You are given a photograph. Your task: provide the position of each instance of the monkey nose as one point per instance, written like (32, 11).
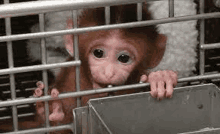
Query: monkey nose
(109, 71)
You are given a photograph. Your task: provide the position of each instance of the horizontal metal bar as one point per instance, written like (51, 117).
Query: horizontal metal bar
(38, 67)
(210, 46)
(102, 90)
(19, 116)
(49, 129)
(200, 77)
(106, 27)
(203, 131)
(37, 7)
(72, 94)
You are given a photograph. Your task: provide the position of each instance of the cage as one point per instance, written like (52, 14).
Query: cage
(19, 74)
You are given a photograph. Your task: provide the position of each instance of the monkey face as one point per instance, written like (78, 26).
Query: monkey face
(111, 60)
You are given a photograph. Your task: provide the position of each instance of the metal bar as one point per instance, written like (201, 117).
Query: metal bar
(101, 90)
(84, 123)
(76, 55)
(38, 130)
(139, 11)
(38, 67)
(37, 7)
(19, 116)
(107, 15)
(210, 46)
(202, 40)
(11, 65)
(171, 8)
(44, 73)
(203, 131)
(74, 122)
(106, 27)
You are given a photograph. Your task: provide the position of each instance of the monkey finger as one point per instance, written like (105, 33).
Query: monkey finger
(54, 93)
(40, 84)
(174, 77)
(171, 80)
(143, 78)
(38, 92)
(161, 90)
(153, 88)
(169, 89)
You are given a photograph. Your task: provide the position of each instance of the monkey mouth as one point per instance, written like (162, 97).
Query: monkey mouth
(107, 85)
(104, 83)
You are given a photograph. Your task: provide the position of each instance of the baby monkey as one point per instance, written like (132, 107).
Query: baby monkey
(110, 57)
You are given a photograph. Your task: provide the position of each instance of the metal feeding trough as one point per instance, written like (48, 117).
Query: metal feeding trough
(194, 109)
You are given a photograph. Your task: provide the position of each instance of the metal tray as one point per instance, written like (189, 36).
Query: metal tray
(193, 109)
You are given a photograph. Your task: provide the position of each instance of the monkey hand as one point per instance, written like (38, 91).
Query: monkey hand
(161, 83)
(38, 92)
(57, 112)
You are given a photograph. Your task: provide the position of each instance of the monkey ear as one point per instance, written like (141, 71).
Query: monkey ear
(68, 41)
(158, 53)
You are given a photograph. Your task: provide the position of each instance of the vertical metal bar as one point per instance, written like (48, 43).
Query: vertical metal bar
(76, 55)
(74, 121)
(139, 11)
(44, 61)
(171, 8)
(107, 15)
(11, 65)
(84, 123)
(202, 40)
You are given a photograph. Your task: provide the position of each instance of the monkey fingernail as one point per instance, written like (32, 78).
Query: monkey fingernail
(143, 78)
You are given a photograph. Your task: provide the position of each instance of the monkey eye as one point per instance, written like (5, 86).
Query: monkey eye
(98, 53)
(124, 58)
